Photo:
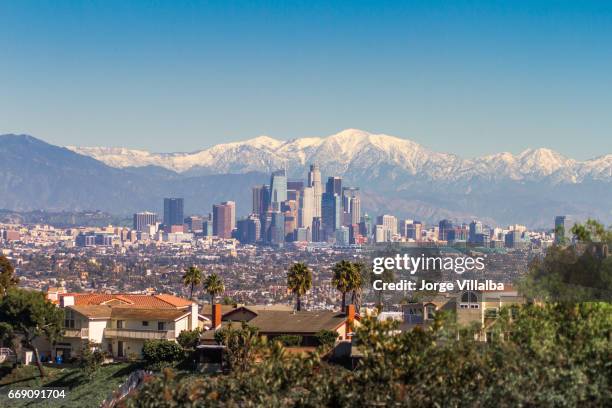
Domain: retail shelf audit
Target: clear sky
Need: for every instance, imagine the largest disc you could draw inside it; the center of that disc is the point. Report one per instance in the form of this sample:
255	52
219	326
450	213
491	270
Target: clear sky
464	77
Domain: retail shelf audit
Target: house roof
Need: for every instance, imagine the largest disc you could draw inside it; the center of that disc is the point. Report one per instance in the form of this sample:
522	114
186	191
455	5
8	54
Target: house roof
138	300
281	322
127	312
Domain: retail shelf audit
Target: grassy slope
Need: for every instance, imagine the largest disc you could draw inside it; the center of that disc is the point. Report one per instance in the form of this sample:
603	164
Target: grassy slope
81	391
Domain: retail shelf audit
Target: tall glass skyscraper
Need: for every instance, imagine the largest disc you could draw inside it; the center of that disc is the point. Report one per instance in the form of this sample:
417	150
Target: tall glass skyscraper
173	211
278	189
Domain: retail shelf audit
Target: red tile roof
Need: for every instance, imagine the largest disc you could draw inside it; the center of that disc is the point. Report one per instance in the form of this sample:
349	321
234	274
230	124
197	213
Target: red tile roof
162	301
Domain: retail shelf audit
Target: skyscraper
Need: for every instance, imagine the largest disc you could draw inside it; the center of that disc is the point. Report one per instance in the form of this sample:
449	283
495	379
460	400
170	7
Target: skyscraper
475	229
563	228
314	181
355	212
222	220
259	199
332	213
389	223
277	229
306	207
444	227
334	185
142	220
173	212
278	189
232	206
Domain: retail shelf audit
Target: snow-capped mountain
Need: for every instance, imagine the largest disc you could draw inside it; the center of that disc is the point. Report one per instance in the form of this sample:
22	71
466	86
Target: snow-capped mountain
356	153
396	176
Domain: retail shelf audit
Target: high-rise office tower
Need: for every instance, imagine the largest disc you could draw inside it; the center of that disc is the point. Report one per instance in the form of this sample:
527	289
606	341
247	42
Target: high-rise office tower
475	229
389	222
173	212
314	181
195	223
444	227
334	185
143	220
277	229
306	207
317	227
222	220
563	228
259	199
331	213
414	230
248	229
278	189
355	210
232	206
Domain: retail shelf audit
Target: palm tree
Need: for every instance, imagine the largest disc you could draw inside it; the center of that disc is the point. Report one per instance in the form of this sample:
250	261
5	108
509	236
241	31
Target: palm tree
347	277
192	278
299	281
213	285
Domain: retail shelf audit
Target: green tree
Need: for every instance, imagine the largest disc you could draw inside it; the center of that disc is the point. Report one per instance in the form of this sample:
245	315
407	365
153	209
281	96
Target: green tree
327	338
299	281
31	315
7	335
213	285
242	345
161	353
346	278
91	358
189	339
7	275
192	278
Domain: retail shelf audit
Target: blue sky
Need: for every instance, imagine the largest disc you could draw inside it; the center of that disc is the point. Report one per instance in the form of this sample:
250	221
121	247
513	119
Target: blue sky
462	77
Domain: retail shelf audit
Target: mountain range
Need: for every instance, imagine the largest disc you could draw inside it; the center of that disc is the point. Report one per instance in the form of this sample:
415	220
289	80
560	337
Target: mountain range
396	176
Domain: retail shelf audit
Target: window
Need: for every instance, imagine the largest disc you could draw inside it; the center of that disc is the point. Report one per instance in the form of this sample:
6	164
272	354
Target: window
145	323
161	325
431	312
491	313
69	321
120	324
469	300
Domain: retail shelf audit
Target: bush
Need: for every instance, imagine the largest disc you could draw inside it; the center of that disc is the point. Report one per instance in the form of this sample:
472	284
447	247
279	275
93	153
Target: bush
556	355
160	353
91	358
327	337
189	339
289	340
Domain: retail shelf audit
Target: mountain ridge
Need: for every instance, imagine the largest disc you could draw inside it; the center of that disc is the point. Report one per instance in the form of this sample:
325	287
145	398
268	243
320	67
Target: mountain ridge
353	148
530	189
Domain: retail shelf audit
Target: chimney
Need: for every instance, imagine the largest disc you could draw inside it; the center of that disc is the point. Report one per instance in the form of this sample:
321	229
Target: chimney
216	315
67	301
350	317
193	318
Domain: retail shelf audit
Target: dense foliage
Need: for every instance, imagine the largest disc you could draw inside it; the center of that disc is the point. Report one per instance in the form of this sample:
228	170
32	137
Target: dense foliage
161	353
289	340
189	339
553	355
7	275
574	273
30	315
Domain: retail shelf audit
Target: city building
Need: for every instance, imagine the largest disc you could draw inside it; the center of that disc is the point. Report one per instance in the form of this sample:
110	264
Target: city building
222	220
314	181
173	212
278	189
142	221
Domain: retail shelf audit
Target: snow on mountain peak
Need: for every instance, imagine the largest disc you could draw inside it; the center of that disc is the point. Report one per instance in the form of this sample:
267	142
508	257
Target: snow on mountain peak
358	150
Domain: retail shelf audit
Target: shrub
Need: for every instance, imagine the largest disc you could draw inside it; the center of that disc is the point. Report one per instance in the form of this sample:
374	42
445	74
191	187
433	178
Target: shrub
289	340
327	337
91	358
160	353
189	339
